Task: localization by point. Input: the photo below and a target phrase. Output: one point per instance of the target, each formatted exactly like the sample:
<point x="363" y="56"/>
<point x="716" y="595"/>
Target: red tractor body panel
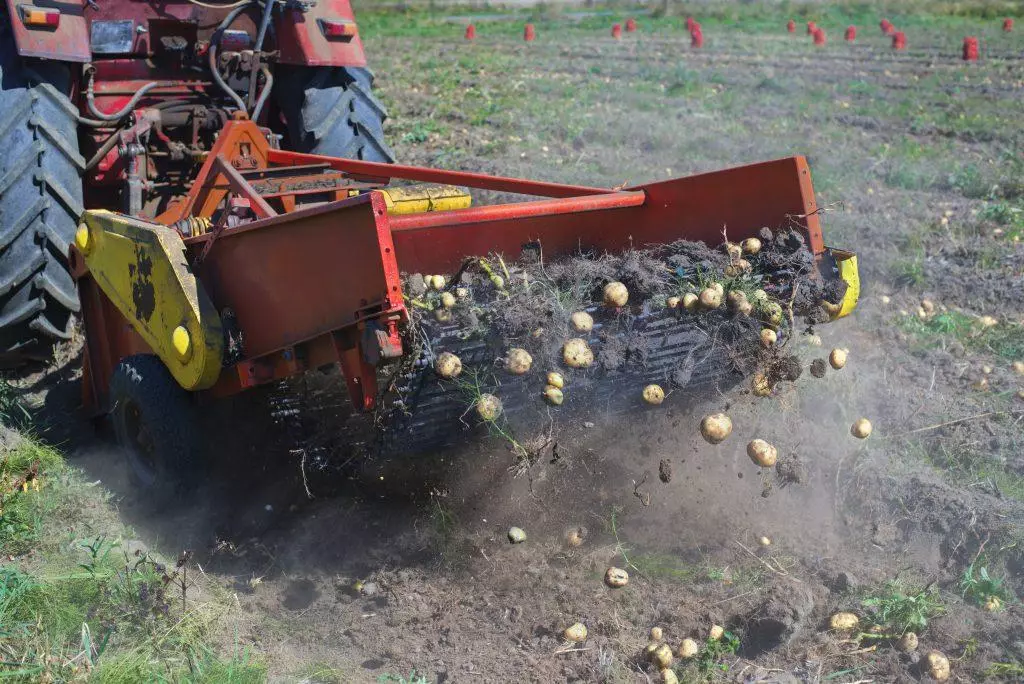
<point x="325" y="35"/>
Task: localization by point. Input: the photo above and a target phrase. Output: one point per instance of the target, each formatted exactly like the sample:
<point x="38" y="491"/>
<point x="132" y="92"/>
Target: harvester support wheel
<point x="154" y="421"/>
<point x="40" y="201"/>
<point x="332" y="111"/>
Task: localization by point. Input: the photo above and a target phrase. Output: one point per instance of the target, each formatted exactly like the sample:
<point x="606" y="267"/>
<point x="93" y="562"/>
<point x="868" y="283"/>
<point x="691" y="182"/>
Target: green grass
<point x="898" y="607"/>
<point x="981" y="587"/>
<point x="1005" y="339"/>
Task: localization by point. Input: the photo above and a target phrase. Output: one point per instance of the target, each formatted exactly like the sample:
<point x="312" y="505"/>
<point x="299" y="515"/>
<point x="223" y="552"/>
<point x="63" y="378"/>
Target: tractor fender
<point x="68" y="41"/>
<point x="303" y="40"/>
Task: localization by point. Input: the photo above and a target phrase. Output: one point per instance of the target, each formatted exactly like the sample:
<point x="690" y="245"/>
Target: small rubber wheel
<point x="155" y="425"/>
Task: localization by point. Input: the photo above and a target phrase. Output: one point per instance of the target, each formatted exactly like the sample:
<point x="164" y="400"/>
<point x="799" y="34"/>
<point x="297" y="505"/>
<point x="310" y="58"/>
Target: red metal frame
<point x="316" y="285"/>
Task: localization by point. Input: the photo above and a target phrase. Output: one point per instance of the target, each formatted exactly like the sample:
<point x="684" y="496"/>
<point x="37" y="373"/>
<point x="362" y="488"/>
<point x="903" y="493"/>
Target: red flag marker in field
<point x="851" y="34"/>
<point x="631" y="25"/>
<point x="791" y="26"/>
<point x="1008" y="24"/>
<point x="616" y="31"/>
<point x="696" y="38"/>
<point x="970" y="49"/>
<point x="886" y="26"/>
<point x="470" y="32"/>
<point x="811" y="26"/>
<point x="529" y="33"/>
<point x="819" y="36"/>
<point x="899" y="40"/>
<point x="690" y="21"/>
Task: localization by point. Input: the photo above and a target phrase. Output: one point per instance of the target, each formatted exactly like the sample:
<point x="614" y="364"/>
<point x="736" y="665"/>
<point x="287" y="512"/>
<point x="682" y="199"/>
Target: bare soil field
<point x="403" y="572"/>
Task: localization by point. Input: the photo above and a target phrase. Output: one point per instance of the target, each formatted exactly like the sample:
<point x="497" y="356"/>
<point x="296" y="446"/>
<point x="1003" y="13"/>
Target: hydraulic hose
<point x="268" y="10"/>
<point x="215" y="41"/>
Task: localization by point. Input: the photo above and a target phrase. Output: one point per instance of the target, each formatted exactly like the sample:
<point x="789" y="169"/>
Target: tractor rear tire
<point x="154" y="421"/>
<point x="40" y="203"/>
<point x="332" y="111"/>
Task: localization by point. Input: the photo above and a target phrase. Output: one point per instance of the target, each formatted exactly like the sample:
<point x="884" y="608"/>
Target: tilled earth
<point x="407" y="567"/>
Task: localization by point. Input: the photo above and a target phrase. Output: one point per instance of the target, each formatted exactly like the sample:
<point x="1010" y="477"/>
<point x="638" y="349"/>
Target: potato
<point x="653" y="394"/>
<point x="885" y="299"/>
<point x="688" y="648"/>
<point x="771" y="313"/>
<point x="518" y="361"/>
<point x="928" y="306"/>
<point x="716" y="632"/>
<point x="1018" y="367"/>
<point x="438" y="282"/>
<point x="710" y="298"/>
<point x="762" y="453"/>
<point x="812" y="340"/>
<point x="668" y="676"/>
<point x="733" y="250"/>
<point x="673" y="302"/>
<point x="690" y="301"/>
<point x="764" y="541"/>
<point x="737" y="268"/>
<point x="650" y="648"/>
<point x="657" y="634"/>
<point x="907" y="642"/>
<point x="938" y="666"/>
<point x="516" y="535"/>
<point x="488" y="407"/>
<point x="448" y="365"/>
<point x="582" y="321"/>
<point x="555" y="379"/>
<point x="837" y="358"/>
<point x="988" y="321"/>
<point x="662" y="656"/>
<point x="751" y="246"/>
<point x="718" y="287"/>
<point x="715" y="428"/>
<point x="843" y="622"/>
<point x="554" y="395"/>
<point x="987" y="370"/>
<point x="616" y="577"/>
<point x="993" y="604"/>
<point x="574" y="537"/>
<point x="447" y="300"/>
<point x="760" y="385"/>
<point x="861" y="429"/>
<point x="735" y="298"/>
<point x="577" y="353"/>
<point x="759" y="296"/>
<point x="615" y="295"/>
<point x="745" y="308"/>
<point x="576" y="632"/>
<point x="443" y="315"/>
<point x="768" y="337"/>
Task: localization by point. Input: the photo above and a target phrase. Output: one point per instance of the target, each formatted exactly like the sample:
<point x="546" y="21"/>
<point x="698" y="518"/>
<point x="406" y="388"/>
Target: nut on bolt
<point x="182" y="343"/>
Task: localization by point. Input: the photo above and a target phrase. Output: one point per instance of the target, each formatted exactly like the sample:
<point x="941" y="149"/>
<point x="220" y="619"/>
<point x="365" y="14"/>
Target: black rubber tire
<point x="40" y="202"/>
<point x="332" y="111"/>
<point x="155" y="424"/>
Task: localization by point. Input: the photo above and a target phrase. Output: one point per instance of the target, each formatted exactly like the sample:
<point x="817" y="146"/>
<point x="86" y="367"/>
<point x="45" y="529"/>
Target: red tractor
<point x="115" y="104"/>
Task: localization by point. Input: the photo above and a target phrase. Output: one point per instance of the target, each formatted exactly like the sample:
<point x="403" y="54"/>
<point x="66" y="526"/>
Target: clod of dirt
<point x="448" y="365"/>
<point x="673" y="302"/>
<point x="715" y="428"/>
<point x="688" y="648"/>
<point x="861" y="429"/>
<point x="576" y="632"/>
<point x="654" y="394"/>
<point x="777" y="619"/>
<point x="837" y="358"/>
<point x="928" y="306"/>
<point x="844" y="582"/>
<point x="818" y="368"/>
<point x="812" y="340"/>
<point x="516" y="535"/>
<point x="762" y="453"/>
<point x="938" y="666"/>
<point x="616" y="578"/>
<point x="843" y="621"/>
<point x="988" y="321"/>
<point x="665" y="471"/>
<point x="791" y="470"/>
<point x="907" y="643"/>
<point x="760" y="386"/>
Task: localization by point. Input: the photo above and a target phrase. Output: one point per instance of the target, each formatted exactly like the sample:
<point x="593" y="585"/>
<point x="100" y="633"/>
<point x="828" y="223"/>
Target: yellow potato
<point x="574" y="537"/>
<point x="762" y="453"/>
<point x="760" y="385"/>
<point x="653" y="394"/>
<point x="662" y="656"/>
<point x="861" y="428"/>
<point x="582" y="321"/>
<point x="668" y="676"/>
<point x="768" y="337"/>
<point x="576" y="632"/>
<point x="447" y="300"/>
<point x="488" y="407"/>
<point x="554" y="395"/>
<point x="673" y="302"/>
<point x="907" y="642"/>
<point x="615" y="295"/>
<point x="764" y="541"/>
<point x="715" y="428"/>
<point x="688" y="648"/>
<point x="751" y="245"/>
<point x="843" y="622"/>
<point x="657" y="634"/>
<point x="616" y="577"/>
<point x="690" y="301"/>
<point x="555" y="379"/>
<point x="448" y="365"/>
<point x="443" y="315"/>
<point x="577" y="353"/>
<point x="710" y="298"/>
<point x="938" y="666"/>
<point x="518" y="361"/>
<point x="837" y="358"/>
<point x="716" y="632"/>
<point x="438" y="282"/>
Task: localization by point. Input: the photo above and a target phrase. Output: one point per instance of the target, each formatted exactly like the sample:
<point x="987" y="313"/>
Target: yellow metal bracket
<point x="418" y="199"/>
<point x="847" y="263"/>
<point x="141" y="267"/>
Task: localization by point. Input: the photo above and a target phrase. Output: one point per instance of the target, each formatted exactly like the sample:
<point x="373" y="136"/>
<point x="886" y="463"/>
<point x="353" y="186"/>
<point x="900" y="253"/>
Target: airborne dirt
<point x="407" y="566"/>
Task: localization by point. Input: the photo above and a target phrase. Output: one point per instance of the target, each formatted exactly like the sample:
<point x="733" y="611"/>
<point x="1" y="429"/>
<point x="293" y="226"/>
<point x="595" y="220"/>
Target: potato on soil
<point x="616" y="577"/>
<point x="733" y="250"/>
<point x="812" y="340"/>
<point x="556" y="379"/>
<point x="447" y="300"/>
<point x="575" y="536"/>
<point x="988" y="321"/>
<point x="657" y="634"/>
<point x="518" y="361"/>
<point x="488" y="407"/>
<point x="861" y="429"/>
<point x="771" y="313"/>
<point x="443" y="315"/>
<point x="768" y="337"/>
<point x="1018" y="367"/>
<point x="553" y="395"/>
<point x="688" y="648"/>
<point x="576" y="632"/>
<point x="654" y="394"/>
<point x="843" y="622"/>
<point x="690" y="301"/>
<point x="582" y="321"/>
<point x="762" y="453"/>
<point x="907" y="642"/>
<point x="673" y="302"/>
<point x="735" y="298"/>
<point x="438" y="282"/>
<point x="837" y="358"/>
<point x="764" y="541"/>
<point x="448" y="365"/>
<point x="751" y="246"/>
<point x="759" y="296"/>
<point x="615" y="294"/>
<point x="993" y="604"/>
<point x="668" y="676"/>
<point x="760" y="385"/>
<point x="718" y="287"/>
<point x="715" y="428"/>
<point x="662" y="656"/>
<point x="577" y="353"/>
<point x="928" y="306"/>
<point x="710" y="298"/>
<point x="737" y="268"/>
<point x="716" y="632"/>
<point x="938" y="666"/>
<point x="516" y="535"/>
